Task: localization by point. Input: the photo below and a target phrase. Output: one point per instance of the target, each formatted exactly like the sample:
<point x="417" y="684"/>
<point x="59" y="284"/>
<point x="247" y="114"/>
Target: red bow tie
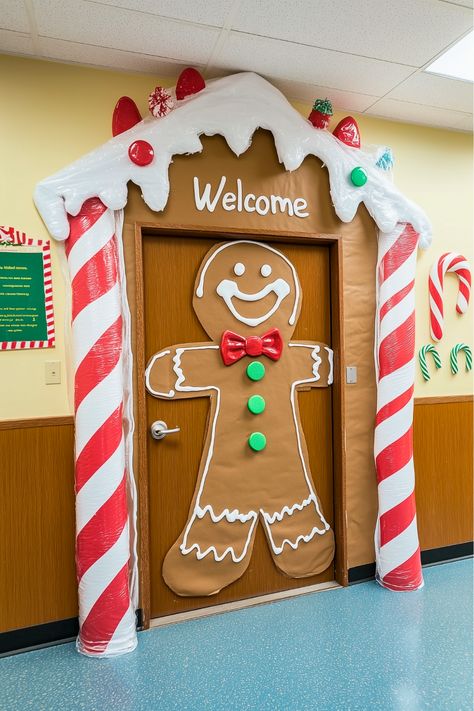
<point x="235" y="347"/>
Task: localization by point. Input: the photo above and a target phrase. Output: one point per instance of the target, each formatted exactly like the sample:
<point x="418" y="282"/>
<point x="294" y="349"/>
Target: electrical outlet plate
<point x="351" y="374"/>
<point x="52" y="372"/>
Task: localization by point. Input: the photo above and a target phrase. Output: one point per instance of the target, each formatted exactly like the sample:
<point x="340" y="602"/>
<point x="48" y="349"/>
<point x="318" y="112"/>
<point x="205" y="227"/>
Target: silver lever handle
<point x="159" y="429"/>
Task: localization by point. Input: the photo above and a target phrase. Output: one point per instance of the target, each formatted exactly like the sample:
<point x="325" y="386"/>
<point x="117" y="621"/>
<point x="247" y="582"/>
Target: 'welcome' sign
<point x="209" y="198"/>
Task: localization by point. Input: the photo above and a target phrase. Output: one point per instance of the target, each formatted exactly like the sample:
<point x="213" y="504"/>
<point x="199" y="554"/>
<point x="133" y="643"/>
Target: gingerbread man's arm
<point x="311" y="363"/>
<point x="183" y="371"/>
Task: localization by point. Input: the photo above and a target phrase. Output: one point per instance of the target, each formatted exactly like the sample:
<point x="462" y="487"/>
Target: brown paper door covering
<point x="261" y="173"/>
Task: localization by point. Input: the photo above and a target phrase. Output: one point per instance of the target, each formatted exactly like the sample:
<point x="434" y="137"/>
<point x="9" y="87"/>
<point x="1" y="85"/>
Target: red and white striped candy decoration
<point x="396" y="537"/>
<point x="449" y="262"/>
<point x="106" y="615"/>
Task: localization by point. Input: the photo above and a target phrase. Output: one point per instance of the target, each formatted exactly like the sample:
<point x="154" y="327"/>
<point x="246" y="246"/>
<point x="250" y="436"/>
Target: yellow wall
<point x="54" y="113"/>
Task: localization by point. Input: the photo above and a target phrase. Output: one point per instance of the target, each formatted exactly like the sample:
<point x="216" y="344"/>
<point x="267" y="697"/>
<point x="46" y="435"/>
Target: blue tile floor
<point x="356" y="649"/>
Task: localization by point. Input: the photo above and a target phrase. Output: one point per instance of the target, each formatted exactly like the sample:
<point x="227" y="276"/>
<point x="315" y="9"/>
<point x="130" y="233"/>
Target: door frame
<point x="334" y="242"/>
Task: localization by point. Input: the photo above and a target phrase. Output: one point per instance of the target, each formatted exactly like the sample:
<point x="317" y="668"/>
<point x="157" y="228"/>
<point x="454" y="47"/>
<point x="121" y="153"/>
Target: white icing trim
<point x="279" y="549"/>
<point x="331" y="365"/>
<point x="147" y="376"/>
<point x="289" y="511"/>
<point x="212" y="549"/>
<point x="200" y="286"/>
<point x="228" y="289"/>
<point x="230" y="516"/>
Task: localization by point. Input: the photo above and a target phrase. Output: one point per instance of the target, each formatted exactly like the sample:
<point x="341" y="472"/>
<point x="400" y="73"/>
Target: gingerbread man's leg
<point x="301" y="541"/>
<point x="212" y="552"/>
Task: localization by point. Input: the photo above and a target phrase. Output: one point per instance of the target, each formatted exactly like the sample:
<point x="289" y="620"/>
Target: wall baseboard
<point x="361" y="573"/>
<point x="38" y="636"/>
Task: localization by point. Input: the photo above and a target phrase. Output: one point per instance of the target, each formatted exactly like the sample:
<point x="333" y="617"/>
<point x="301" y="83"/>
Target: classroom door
<point x="170" y="267"/>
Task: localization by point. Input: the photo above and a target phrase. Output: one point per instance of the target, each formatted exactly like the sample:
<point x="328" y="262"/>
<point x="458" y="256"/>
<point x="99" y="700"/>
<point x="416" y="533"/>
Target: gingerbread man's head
<point x="247" y="287"/>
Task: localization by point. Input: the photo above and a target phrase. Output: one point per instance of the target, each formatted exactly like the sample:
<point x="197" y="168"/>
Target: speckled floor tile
<point x="356" y="649"/>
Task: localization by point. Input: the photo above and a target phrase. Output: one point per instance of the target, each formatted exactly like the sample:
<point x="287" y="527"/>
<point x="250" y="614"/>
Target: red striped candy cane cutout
<point x="396" y="537"/>
<point x="449" y="262"/>
<point x="106" y="615"/>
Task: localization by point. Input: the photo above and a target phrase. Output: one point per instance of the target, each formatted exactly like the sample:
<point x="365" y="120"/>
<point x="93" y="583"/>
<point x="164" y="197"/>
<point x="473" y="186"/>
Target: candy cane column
<point x="106" y="617"/>
<point x="396" y="537"/>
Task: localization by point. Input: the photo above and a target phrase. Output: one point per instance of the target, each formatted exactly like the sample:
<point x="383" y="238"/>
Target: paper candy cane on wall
<point x="422" y="358"/>
<point x="453" y="357"/>
<point x="449" y="262"/>
<point x="106" y="615"/>
<point x="396" y="537"/>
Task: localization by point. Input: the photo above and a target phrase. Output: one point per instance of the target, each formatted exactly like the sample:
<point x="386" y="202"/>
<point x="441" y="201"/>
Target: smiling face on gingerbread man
<point x="247" y="287"/>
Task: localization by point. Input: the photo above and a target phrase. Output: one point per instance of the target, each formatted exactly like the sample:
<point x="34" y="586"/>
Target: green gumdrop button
<point x="257" y="441"/>
<point x="256" y="404"/>
<point x="255" y="370"/>
<point x="358" y="177"/>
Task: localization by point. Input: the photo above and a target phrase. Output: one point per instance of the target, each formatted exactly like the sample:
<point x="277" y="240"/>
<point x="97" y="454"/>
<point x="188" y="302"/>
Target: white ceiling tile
<point x="113" y="58"/>
<point x="341" y="100"/>
<point x="437" y="91"/>
<point x="211" y="12"/>
<point x="465" y="123"/>
<point x="13" y="16"/>
<point x="292" y="62"/>
<point x="107" y="26"/>
<point x="416" y="113"/>
<point x="15" y="42"/>
<point x="405" y="31"/>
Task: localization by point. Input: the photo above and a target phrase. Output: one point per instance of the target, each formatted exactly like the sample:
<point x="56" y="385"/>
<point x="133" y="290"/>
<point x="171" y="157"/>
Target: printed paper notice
<point x="22" y="296"/>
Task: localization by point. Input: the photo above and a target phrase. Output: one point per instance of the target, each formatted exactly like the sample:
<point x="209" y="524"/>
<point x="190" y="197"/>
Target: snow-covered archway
<point x="84" y="204"/>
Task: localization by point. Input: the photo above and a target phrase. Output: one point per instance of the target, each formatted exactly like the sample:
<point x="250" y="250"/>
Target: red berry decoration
<point x="126" y="115"/>
<point x="347" y="131"/>
<point x="141" y="153"/>
<point x="321" y="113"/>
<point x="160" y="102"/>
<point x="189" y="82"/>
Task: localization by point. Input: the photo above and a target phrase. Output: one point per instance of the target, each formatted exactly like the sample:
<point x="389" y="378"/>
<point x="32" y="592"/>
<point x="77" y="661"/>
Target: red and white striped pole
<point x="396" y="536"/>
<point x="106" y="615"/>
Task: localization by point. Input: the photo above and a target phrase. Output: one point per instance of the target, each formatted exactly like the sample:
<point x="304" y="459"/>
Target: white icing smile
<point x="229" y="290"/>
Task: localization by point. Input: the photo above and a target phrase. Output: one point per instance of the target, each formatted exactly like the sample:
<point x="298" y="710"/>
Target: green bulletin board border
<point x="11" y="237"/>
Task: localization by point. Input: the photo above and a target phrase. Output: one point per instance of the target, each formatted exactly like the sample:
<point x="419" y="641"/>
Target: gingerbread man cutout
<point x="254" y="464"/>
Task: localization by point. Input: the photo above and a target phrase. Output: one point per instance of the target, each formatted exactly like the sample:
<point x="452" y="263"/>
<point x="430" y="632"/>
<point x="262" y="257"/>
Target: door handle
<point x="159" y="429"/>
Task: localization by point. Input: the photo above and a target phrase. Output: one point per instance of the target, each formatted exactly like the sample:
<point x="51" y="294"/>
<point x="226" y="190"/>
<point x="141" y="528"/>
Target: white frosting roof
<point x="233" y="107"/>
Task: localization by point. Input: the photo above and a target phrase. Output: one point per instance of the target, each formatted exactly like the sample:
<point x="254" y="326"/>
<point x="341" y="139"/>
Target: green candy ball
<point x="257" y="441"/>
<point x="358" y="177"/>
<point x="256" y="404"/>
<point x="255" y="370"/>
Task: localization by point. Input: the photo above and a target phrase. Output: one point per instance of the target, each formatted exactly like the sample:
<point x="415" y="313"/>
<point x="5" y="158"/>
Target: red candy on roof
<point x="189" y="82"/>
<point x="347" y="131"/>
<point x="126" y="115"/>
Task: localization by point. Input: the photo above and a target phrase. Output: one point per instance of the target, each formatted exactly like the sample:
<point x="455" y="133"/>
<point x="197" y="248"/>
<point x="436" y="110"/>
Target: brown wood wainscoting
<point x="444" y="470"/>
<point x="37" y="569"/>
